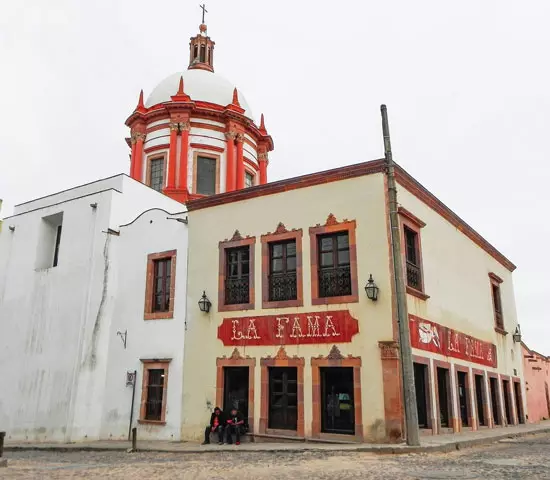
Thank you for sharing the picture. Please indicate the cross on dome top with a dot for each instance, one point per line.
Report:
(203, 6)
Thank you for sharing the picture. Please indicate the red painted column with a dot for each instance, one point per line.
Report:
(172, 156)
(133, 158)
(240, 162)
(262, 160)
(184, 127)
(230, 162)
(138, 169)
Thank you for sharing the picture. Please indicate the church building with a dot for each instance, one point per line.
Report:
(145, 300)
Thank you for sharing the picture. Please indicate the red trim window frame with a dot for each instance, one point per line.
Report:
(149, 312)
(281, 235)
(236, 242)
(150, 159)
(410, 222)
(149, 365)
(332, 226)
(496, 298)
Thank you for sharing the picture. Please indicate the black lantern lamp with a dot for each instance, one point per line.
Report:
(371, 289)
(204, 303)
(517, 335)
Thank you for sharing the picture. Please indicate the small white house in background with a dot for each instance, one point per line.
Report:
(87, 282)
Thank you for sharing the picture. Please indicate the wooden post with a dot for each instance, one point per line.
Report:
(134, 439)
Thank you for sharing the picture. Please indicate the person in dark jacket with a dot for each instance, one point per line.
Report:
(217, 422)
(234, 424)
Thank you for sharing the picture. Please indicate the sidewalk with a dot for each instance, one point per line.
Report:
(436, 443)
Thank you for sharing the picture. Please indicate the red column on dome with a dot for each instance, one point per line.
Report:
(262, 160)
(172, 156)
(230, 162)
(240, 162)
(182, 183)
(138, 167)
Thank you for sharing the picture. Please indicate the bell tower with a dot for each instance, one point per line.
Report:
(201, 48)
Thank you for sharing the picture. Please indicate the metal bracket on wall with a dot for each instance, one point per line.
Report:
(123, 337)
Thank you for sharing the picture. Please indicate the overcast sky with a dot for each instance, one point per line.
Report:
(466, 84)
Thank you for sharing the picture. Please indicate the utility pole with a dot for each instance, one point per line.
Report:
(405, 350)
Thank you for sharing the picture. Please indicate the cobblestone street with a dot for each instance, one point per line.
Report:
(509, 459)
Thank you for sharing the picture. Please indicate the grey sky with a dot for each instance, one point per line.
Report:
(466, 84)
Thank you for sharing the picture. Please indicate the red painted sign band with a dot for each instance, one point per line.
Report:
(432, 337)
(293, 329)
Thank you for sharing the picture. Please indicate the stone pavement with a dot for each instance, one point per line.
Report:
(508, 459)
(435, 443)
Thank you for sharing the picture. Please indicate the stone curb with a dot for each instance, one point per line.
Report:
(381, 450)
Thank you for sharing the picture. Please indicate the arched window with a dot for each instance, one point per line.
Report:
(203, 53)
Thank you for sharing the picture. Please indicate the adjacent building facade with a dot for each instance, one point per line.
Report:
(292, 338)
(536, 368)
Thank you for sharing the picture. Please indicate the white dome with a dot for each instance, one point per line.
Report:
(199, 85)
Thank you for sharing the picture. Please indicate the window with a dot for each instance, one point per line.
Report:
(237, 278)
(206, 174)
(334, 262)
(414, 274)
(57, 242)
(154, 389)
(497, 301)
(248, 180)
(160, 285)
(49, 242)
(282, 274)
(282, 268)
(161, 282)
(156, 174)
(412, 253)
(203, 53)
(334, 265)
(236, 275)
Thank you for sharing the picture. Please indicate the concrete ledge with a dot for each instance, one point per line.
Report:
(445, 445)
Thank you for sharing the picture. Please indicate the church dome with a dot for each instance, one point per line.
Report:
(200, 85)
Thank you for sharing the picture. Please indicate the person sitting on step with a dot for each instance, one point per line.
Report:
(216, 425)
(234, 424)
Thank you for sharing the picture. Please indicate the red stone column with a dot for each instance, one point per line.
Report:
(184, 151)
(393, 402)
(240, 161)
(262, 160)
(172, 156)
(138, 165)
(230, 162)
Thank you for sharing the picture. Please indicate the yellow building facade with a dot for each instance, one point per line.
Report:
(292, 339)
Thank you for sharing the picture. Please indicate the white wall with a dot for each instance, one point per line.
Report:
(45, 316)
(58, 325)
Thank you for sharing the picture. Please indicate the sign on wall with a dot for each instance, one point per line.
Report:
(292, 329)
(432, 337)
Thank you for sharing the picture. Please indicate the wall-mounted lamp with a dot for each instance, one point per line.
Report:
(517, 335)
(371, 289)
(12, 228)
(204, 303)
(123, 337)
(93, 205)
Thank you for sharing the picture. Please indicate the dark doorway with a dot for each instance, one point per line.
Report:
(480, 387)
(235, 390)
(507, 406)
(493, 392)
(519, 403)
(337, 405)
(421, 387)
(462, 382)
(283, 398)
(443, 397)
